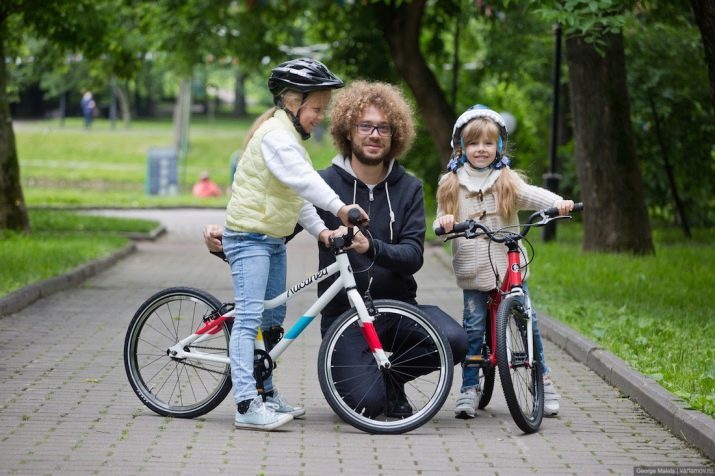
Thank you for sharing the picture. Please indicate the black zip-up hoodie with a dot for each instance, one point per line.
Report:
(397, 225)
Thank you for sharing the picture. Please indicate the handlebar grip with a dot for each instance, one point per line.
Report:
(554, 212)
(354, 216)
(458, 228)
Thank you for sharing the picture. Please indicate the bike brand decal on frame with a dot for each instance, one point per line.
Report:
(307, 282)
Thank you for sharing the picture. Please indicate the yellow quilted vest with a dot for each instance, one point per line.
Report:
(260, 203)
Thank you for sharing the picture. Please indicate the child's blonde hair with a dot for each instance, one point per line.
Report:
(506, 186)
(293, 101)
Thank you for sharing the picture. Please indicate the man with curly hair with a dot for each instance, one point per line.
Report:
(371, 125)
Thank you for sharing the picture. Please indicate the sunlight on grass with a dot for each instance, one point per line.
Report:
(104, 167)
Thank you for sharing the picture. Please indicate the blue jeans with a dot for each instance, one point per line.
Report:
(258, 270)
(475, 322)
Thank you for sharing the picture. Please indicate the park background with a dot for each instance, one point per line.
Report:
(613, 98)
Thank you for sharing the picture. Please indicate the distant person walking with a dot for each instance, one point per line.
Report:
(88, 107)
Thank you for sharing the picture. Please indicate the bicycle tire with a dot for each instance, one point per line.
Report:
(421, 348)
(171, 387)
(522, 384)
(487, 376)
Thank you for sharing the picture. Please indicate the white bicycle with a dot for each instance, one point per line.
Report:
(176, 352)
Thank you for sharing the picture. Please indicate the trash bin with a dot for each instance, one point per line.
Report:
(162, 171)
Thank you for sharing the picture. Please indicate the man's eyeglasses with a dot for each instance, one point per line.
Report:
(366, 128)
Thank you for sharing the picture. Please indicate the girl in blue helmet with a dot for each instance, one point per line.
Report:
(480, 185)
(274, 187)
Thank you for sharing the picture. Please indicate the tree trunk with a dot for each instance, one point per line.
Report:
(239, 103)
(616, 218)
(13, 211)
(401, 29)
(123, 100)
(668, 167)
(705, 17)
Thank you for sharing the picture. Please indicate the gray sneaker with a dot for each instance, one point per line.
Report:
(260, 417)
(467, 404)
(551, 398)
(278, 405)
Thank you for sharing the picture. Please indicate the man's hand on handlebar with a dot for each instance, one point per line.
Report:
(360, 243)
(345, 210)
(212, 237)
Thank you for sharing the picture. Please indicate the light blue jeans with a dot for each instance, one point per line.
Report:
(258, 270)
(475, 322)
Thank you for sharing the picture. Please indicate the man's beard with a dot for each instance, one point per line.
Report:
(371, 161)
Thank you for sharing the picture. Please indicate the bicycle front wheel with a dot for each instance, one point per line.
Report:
(522, 383)
(182, 388)
(386, 401)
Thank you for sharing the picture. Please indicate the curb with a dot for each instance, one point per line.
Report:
(693, 426)
(23, 297)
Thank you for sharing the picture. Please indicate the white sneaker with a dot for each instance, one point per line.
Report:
(278, 405)
(260, 417)
(551, 398)
(467, 404)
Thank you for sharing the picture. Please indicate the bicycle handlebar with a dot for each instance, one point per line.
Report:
(471, 229)
(340, 243)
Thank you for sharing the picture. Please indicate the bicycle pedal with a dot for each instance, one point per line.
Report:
(473, 361)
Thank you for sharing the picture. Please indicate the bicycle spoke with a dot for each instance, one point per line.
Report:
(181, 388)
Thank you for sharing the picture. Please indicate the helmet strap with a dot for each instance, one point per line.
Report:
(295, 118)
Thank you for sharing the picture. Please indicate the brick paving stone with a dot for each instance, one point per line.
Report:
(66, 406)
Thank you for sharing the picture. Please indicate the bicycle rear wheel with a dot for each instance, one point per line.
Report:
(181, 388)
(362, 394)
(522, 383)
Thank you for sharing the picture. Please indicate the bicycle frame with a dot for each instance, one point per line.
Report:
(345, 280)
(512, 284)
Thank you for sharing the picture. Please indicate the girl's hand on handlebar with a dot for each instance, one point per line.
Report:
(446, 222)
(343, 214)
(564, 206)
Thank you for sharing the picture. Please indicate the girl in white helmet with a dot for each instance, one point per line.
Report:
(481, 186)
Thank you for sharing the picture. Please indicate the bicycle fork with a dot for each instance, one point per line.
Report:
(367, 328)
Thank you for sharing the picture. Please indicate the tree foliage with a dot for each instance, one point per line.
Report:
(447, 55)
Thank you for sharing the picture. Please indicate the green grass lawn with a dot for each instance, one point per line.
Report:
(104, 167)
(651, 311)
(60, 242)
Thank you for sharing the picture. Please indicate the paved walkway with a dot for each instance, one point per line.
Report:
(66, 406)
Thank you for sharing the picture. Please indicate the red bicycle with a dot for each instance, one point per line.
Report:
(509, 343)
